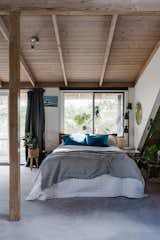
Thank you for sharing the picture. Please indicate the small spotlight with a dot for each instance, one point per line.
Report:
(34, 41)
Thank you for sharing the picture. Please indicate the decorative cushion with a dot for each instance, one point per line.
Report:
(97, 140)
(112, 139)
(74, 139)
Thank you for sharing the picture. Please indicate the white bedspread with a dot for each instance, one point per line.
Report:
(101, 186)
(70, 148)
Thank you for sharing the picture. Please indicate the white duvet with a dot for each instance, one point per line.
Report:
(101, 186)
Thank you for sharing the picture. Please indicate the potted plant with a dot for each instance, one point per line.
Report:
(150, 156)
(33, 151)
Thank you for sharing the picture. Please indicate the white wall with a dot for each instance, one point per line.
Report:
(52, 120)
(146, 91)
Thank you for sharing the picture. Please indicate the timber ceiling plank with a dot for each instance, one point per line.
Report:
(44, 59)
(83, 41)
(135, 37)
(83, 45)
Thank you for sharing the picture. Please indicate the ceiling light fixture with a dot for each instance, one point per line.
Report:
(34, 42)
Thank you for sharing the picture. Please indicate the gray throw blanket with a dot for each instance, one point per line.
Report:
(60, 166)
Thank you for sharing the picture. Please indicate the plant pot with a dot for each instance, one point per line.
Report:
(33, 155)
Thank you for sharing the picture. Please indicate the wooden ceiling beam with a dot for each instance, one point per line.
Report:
(58, 41)
(27, 70)
(1, 84)
(108, 47)
(147, 62)
(78, 84)
(105, 84)
(40, 11)
(4, 31)
(4, 11)
(34, 11)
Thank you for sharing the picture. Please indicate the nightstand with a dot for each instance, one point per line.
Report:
(153, 170)
(133, 153)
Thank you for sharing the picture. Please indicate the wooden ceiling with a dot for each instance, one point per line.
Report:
(85, 4)
(107, 51)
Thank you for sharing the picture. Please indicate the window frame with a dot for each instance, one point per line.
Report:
(123, 92)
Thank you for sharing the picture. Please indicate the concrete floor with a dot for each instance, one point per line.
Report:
(80, 218)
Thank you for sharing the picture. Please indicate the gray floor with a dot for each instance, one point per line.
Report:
(80, 219)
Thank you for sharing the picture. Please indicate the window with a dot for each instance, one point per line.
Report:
(108, 113)
(77, 112)
(93, 112)
(4, 146)
(23, 108)
(4, 127)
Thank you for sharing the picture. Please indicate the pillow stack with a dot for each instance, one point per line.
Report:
(86, 140)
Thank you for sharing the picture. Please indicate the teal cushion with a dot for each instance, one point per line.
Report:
(97, 140)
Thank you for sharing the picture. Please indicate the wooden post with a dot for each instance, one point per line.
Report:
(14, 74)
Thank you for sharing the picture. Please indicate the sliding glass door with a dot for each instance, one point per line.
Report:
(78, 112)
(93, 112)
(108, 115)
(4, 133)
(4, 126)
(23, 107)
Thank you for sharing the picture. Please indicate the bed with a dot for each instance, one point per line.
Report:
(87, 171)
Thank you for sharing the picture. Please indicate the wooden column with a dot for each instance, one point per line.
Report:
(14, 75)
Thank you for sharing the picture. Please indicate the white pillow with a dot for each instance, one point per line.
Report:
(112, 140)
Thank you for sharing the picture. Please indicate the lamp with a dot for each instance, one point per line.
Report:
(126, 117)
(126, 129)
(129, 106)
(34, 41)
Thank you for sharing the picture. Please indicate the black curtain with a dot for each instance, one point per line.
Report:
(35, 119)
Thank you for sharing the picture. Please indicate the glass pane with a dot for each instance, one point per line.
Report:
(4, 151)
(4, 133)
(4, 146)
(78, 112)
(109, 113)
(23, 107)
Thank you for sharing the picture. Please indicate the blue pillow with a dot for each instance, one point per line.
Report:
(97, 140)
(74, 139)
